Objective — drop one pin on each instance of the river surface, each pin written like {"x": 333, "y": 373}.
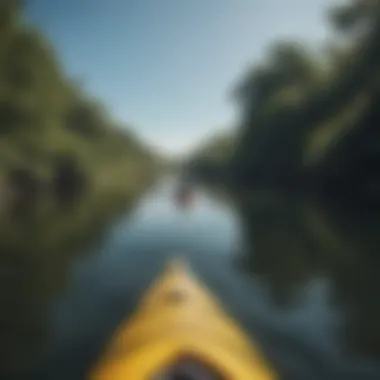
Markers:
{"x": 296, "y": 278}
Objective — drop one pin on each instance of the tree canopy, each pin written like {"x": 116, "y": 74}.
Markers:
{"x": 44, "y": 113}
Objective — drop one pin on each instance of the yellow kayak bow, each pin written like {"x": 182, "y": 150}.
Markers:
{"x": 179, "y": 318}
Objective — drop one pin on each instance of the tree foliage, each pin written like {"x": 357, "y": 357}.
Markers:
{"x": 44, "y": 114}
{"x": 304, "y": 114}
{"x": 295, "y": 94}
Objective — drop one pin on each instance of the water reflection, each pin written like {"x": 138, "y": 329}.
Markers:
{"x": 36, "y": 250}
{"x": 292, "y": 245}
{"x": 349, "y": 241}
{"x": 310, "y": 304}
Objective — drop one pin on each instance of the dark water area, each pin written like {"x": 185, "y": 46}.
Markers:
{"x": 300, "y": 276}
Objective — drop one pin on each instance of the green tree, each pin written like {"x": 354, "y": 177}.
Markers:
{"x": 292, "y": 95}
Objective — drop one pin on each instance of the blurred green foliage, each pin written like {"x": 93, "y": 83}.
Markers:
{"x": 52, "y": 137}
{"x": 45, "y": 115}
{"x": 305, "y": 112}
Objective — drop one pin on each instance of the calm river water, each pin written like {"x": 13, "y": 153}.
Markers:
{"x": 302, "y": 278}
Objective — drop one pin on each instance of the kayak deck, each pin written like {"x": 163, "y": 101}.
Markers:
{"x": 179, "y": 318}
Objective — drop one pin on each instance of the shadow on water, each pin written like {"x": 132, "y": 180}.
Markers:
{"x": 37, "y": 247}
{"x": 319, "y": 263}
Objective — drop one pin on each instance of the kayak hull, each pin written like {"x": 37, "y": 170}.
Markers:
{"x": 178, "y": 317}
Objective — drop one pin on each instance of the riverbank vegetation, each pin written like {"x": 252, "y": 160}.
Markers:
{"x": 56, "y": 140}
{"x": 211, "y": 160}
{"x": 308, "y": 117}
{"x": 67, "y": 170}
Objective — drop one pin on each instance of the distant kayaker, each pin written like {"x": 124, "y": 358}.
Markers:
{"x": 183, "y": 195}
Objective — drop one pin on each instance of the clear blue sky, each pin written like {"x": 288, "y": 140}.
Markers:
{"x": 167, "y": 66}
